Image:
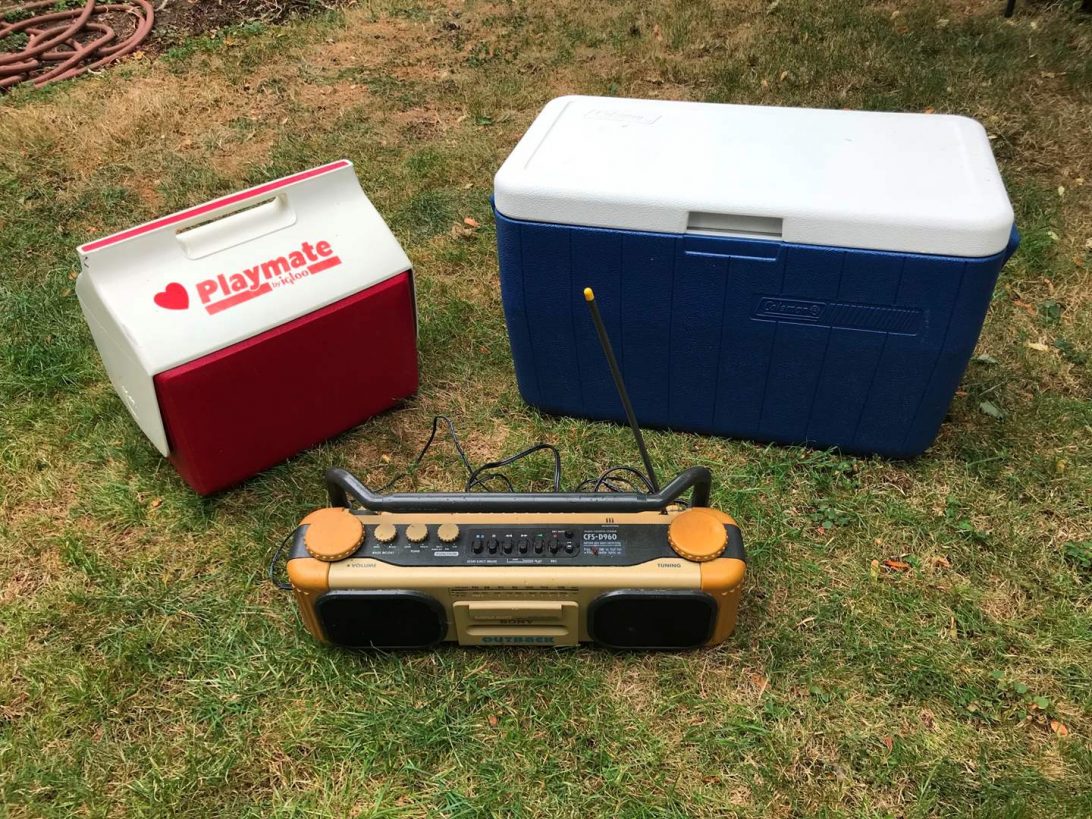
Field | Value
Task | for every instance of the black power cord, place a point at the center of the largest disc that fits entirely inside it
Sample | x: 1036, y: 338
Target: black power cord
x: 613, y: 479
x: 476, y: 478
x: 283, y: 585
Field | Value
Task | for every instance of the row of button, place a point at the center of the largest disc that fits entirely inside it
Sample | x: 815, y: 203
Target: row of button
x: 539, y: 545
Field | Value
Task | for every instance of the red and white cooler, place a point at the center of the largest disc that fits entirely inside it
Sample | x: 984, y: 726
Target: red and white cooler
x: 241, y: 331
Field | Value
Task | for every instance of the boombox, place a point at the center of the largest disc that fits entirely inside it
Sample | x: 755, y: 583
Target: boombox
x: 635, y: 570
x: 625, y: 570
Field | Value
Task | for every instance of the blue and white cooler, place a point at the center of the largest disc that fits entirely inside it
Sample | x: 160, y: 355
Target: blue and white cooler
x: 779, y: 274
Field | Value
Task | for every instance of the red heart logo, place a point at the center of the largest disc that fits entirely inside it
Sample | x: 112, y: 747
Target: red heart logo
x: 173, y: 297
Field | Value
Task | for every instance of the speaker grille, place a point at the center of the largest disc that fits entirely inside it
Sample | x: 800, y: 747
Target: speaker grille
x: 652, y: 619
x: 381, y: 619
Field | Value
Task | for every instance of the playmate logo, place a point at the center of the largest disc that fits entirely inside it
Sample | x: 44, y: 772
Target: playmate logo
x: 228, y: 290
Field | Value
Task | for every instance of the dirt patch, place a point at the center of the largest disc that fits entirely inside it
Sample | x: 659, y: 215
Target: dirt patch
x: 178, y: 20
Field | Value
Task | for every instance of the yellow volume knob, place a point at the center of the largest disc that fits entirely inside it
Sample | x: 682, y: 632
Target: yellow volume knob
x: 332, y: 534
x: 697, y: 534
x: 385, y: 532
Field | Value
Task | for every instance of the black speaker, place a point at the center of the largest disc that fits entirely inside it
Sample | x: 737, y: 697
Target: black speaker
x: 381, y: 619
x: 653, y: 618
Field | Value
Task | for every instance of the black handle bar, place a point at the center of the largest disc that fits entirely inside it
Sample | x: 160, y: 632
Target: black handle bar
x: 341, y: 485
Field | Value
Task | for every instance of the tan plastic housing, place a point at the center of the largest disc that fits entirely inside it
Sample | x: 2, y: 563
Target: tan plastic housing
x: 521, y: 604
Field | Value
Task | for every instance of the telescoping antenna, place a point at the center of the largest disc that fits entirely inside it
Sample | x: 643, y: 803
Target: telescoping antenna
x: 619, y: 384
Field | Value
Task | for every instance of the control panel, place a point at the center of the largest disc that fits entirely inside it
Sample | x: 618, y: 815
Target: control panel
x: 512, y: 544
x: 697, y: 535
x: 502, y: 544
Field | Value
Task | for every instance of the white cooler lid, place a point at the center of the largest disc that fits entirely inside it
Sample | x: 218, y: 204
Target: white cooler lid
x: 920, y: 183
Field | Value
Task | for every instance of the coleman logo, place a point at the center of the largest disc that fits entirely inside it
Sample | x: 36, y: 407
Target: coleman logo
x: 623, y: 117
x: 876, y: 318
x: 229, y: 289
x: 788, y: 308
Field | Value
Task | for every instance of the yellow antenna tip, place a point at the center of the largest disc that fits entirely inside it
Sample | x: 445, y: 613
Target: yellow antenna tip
x: 588, y: 294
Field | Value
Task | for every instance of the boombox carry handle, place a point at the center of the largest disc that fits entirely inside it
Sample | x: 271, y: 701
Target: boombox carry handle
x: 343, y: 485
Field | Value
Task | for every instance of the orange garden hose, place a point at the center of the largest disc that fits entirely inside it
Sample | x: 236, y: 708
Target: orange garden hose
x: 64, y: 44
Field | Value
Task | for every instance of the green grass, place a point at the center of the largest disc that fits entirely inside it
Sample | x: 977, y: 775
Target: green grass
x: 147, y: 667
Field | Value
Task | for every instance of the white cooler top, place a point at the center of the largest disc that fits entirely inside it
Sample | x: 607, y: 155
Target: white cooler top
x: 919, y: 183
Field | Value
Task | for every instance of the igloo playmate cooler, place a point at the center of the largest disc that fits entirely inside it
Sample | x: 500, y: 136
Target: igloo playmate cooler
x: 791, y: 275
x: 246, y: 329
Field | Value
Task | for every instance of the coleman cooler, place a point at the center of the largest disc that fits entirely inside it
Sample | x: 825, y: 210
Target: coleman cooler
x: 792, y: 275
x: 241, y: 331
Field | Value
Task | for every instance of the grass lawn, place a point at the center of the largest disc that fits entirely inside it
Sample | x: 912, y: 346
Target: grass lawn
x: 148, y: 668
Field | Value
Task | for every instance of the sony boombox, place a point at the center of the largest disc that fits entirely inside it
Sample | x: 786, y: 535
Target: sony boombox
x: 636, y: 570
x: 625, y: 570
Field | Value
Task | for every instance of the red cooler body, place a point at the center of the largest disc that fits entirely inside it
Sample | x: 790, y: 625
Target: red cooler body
x: 242, y: 331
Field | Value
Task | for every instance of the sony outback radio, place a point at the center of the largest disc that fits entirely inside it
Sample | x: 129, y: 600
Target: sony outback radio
x: 627, y: 570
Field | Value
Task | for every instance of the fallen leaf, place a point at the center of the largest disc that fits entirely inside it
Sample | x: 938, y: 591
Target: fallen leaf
x: 985, y: 358
x: 942, y: 562
x: 1058, y: 728
x: 156, y: 503
x: 470, y: 221
x: 897, y: 565
x: 783, y: 75
x: 493, y: 721
x: 930, y: 110
x: 991, y: 409
x: 1023, y: 305
x: 1038, y: 346
x: 657, y: 34
x: 889, y: 743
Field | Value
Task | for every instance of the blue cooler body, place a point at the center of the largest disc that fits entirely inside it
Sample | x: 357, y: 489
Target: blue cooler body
x: 789, y: 275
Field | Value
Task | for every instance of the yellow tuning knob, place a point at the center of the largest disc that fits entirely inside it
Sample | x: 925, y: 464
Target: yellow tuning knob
x: 385, y: 532
x: 697, y: 534
x: 448, y: 532
x: 416, y: 532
